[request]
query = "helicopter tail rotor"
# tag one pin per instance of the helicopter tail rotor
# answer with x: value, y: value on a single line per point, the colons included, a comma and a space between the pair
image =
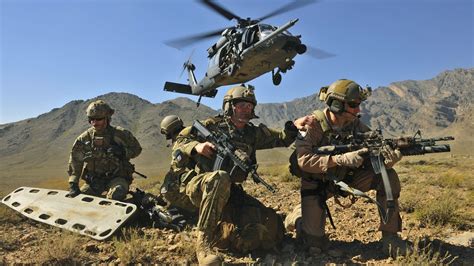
x: 188, y: 64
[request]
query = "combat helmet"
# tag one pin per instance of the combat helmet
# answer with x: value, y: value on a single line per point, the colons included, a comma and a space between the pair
x: 236, y: 94
x: 171, y: 125
x: 99, y: 109
x: 343, y: 91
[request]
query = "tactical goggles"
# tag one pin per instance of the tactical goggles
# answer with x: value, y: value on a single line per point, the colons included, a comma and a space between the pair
x: 353, y: 104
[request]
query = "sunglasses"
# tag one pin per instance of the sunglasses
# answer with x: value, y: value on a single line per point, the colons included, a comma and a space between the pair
x: 96, y: 119
x: 353, y: 104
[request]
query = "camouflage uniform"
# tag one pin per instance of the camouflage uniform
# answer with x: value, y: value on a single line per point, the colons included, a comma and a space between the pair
x: 228, y: 217
x: 101, y: 159
x: 211, y: 191
x: 314, y: 169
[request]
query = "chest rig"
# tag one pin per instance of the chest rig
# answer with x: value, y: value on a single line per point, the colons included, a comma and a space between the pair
x: 244, y: 142
x: 99, y: 161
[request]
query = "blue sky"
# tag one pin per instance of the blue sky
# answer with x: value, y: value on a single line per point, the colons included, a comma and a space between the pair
x: 53, y: 51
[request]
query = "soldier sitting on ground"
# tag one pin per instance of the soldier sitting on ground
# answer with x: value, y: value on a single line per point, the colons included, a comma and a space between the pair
x: 101, y: 156
x: 229, y: 218
x: 170, y: 126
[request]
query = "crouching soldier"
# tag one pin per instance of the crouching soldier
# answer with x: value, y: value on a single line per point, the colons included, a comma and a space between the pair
x: 101, y: 156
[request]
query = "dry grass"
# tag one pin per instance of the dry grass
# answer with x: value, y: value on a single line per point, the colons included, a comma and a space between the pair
x: 63, y: 248
x: 135, y: 246
x: 424, y: 255
x: 8, y: 215
x: 277, y: 172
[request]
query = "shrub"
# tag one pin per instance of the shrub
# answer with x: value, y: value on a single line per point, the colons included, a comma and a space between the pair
x: 438, y: 211
x: 424, y: 255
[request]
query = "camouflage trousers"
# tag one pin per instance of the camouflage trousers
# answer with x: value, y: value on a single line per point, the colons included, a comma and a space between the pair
x: 230, y: 218
x: 313, y: 216
x: 117, y: 188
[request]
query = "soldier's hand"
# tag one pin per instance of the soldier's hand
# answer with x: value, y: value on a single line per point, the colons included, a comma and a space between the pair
x: 301, y: 122
x: 205, y: 149
x: 352, y: 159
x: 73, y: 190
x: 391, y: 156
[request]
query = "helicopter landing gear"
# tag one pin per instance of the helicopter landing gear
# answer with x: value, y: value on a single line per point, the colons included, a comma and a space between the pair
x: 276, y: 77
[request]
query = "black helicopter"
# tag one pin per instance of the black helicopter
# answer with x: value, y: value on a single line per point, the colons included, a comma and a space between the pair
x: 243, y: 52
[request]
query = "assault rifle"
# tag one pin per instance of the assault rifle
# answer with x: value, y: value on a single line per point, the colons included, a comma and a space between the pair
x: 225, y: 149
x: 154, y: 208
x: 374, y: 141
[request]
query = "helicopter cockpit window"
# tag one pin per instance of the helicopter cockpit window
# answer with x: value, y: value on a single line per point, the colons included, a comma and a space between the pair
x: 265, y: 30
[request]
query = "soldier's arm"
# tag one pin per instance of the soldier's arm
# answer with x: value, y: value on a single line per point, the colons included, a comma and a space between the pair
x: 186, y: 142
x: 267, y: 138
x: 76, y: 161
x: 129, y: 143
x: 308, y: 161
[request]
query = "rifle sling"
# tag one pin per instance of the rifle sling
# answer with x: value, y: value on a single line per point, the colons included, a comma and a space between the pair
x: 379, y: 168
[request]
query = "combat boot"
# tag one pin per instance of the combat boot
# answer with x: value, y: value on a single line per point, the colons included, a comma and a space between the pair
x: 204, y: 253
x: 394, y: 245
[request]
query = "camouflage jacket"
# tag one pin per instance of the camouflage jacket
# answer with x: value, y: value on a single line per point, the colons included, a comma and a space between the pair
x: 321, y: 133
x: 91, y: 154
x: 249, y: 140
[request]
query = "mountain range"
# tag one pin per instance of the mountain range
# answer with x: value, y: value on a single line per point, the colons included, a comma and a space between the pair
x: 37, y: 149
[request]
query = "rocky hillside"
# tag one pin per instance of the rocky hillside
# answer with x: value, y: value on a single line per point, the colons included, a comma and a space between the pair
x: 38, y: 148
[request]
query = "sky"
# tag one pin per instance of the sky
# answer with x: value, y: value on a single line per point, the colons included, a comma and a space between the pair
x: 56, y: 51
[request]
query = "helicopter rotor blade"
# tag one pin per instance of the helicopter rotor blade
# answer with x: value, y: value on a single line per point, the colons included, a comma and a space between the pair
x: 219, y: 9
x: 290, y: 6
x: 185, y: 41
x: 318, y: 53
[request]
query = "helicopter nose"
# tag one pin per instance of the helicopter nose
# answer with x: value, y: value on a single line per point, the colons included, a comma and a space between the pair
x: 300, y: 48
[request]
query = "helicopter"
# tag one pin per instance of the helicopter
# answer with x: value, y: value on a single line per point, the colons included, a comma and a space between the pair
x: 243, y: 52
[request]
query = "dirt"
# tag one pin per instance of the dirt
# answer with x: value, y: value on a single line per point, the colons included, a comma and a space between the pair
x: 354, y: 241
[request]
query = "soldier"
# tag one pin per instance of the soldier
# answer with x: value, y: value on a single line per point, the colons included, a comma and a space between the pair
x: 100, y: 156
x: 228, y: 217
x: 330, y: 125
x: 170, y: 126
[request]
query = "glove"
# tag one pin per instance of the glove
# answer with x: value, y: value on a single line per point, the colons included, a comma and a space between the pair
x: 391, y: 156
x: 73, y: 190
x: 117, y: 151
x: 351, y: 159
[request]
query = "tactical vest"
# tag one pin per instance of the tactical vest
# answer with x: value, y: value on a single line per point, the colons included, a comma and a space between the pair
x: 99, y: 162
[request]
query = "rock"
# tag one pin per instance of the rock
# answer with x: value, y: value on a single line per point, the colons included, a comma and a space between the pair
x: 464, y: 239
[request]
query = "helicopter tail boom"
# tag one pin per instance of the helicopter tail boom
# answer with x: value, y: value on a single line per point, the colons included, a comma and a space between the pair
x: 186, y: 89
